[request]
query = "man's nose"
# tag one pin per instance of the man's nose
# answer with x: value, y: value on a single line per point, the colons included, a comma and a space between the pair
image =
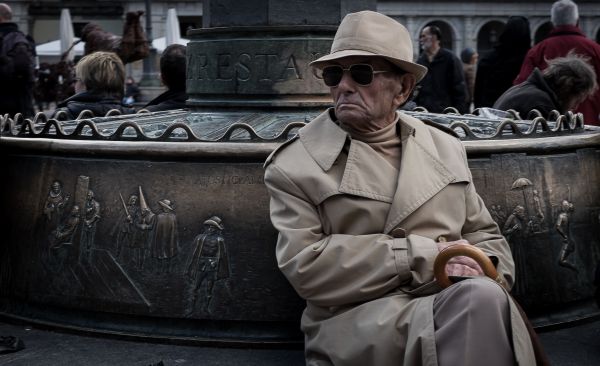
x: 346, y: 83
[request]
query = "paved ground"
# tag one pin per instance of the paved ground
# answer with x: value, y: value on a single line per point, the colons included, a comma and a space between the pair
x: 576, y: 346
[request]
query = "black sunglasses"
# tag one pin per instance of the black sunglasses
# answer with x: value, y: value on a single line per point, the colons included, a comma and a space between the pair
x: 362, y: 74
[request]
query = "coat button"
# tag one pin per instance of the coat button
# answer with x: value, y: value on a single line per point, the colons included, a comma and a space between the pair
x: 399, y: 233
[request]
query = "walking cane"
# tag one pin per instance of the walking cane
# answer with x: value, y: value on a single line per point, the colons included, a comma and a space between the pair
x: 471, y: 251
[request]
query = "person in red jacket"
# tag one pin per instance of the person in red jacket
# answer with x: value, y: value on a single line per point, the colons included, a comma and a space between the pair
x: 564, y: 37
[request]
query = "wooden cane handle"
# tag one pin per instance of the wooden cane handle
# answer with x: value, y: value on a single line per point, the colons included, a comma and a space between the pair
x: 471, y: 251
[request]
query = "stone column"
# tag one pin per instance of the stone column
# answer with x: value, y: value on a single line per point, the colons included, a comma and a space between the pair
x: 469, y: 35
x: 255, y: 53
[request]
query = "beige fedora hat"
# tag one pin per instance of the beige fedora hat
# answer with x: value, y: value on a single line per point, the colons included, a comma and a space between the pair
x: 368, y: 33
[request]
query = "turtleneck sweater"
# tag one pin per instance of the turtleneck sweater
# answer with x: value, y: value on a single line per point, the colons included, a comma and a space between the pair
x: 386, y: 142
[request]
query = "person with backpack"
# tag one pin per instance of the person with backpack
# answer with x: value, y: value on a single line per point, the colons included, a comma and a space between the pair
x: 17, y: 67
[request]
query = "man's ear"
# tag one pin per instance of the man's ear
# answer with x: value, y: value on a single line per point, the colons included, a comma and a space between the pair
x: 407, y: 82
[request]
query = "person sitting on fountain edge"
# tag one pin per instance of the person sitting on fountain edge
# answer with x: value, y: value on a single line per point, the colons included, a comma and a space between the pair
x: 172, y: 74
x: 364, y: 198
x: 99, y: 87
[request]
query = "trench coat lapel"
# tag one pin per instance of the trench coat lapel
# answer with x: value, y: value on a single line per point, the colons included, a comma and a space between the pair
x: 365, y: 173
x: 422, y: 173
x: 324, y: 140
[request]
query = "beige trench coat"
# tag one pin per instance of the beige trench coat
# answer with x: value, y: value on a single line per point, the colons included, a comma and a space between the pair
x: 368, y: 286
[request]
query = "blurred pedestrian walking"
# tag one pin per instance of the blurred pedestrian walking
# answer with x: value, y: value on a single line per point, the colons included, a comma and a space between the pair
x: 564, y: 37
x: 132, y: 91
x: 444, y: 84
x: 17, y: 67
x: 469, y: 59
x: 498, y: 68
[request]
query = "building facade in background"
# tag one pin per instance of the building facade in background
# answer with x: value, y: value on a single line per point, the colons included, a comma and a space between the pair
x: 474, y: 24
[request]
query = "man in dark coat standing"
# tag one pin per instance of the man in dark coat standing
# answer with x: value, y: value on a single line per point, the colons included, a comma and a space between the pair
x: 17, y: 64
x: 444, y: 85
x: 564, y: 37
x: 498, y: 67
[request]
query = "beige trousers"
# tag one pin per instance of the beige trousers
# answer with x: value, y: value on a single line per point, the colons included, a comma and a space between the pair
x: 472, y: 325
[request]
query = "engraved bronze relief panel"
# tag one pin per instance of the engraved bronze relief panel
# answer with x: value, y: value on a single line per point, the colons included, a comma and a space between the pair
x: 157, y: 238
x: 547, y: 207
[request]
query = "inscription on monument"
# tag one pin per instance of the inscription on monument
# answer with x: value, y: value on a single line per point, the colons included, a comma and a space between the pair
x: 218, y: 180
x: 264, y: 68
x: 250, y: 66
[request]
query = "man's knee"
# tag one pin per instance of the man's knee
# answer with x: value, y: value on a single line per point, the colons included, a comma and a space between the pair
x: 476, y: 293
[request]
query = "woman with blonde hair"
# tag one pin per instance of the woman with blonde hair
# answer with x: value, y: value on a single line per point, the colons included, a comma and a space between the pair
x: 99, y: 87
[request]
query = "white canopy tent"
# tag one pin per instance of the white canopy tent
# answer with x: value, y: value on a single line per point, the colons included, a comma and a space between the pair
x: 172, y: 33
x: 161, y: 43
x: 66, y: 34
x: 51, y: 51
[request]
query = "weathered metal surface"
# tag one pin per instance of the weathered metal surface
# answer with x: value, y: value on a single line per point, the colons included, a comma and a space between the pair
x: 195, y: 126
x: 256, y: 67
x: 93, y: 259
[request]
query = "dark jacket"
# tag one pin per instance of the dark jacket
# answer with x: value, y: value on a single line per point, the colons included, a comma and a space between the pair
x: 17, y: 61
x: 444, y: 84
x: 561, y: 40
x: 168, y: 100
x: 498, y: 68
x: 534, y: 93
x: 98, y: 104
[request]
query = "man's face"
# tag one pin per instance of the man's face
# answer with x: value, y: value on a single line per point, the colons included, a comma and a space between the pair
x: 426, y: 39
x: 56, y: 187
x: 370, y: 107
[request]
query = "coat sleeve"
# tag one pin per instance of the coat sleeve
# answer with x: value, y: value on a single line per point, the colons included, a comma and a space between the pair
x: 23, y: 59
x: 482, y: 231
x: 337, y: 269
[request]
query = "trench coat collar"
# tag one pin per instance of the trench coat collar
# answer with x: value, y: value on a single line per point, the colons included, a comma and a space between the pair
x: 323, y: 139
x: 422, y: 173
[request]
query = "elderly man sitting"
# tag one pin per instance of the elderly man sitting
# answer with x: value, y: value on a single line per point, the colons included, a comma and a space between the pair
x: 364, y: 199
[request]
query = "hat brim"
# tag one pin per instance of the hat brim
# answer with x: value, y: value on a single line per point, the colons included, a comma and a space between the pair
x: 165, y: 205
x: 417, y: 70
x: 213, y: 223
